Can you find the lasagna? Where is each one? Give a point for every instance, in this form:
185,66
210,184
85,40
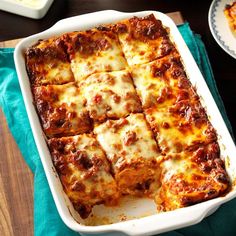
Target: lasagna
136,169
162,82
181,126
190,177
121,117
110,95
48,63
230,13
95,50
143,39
84,171
61,109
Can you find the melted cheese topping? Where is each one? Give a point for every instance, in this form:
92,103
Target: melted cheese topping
84,171
230,13
94,51
131,135
191,177
110,95
165,149
61,109
180,127
47,63
143,39
131,149
162,83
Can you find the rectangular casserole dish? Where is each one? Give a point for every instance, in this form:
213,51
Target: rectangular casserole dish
132,216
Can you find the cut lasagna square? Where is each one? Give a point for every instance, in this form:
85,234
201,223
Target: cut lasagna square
110,95
62,110
95,50
133,153
143,39
48,63
84,172
192,177
183,126
163,82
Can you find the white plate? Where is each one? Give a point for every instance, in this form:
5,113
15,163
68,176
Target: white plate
220,28
136,209
35,9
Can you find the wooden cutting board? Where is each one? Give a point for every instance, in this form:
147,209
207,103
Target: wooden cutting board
16,180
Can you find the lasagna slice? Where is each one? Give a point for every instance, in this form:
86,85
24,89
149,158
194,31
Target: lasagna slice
230,13
95,50
48,63
181,126
84,172
110,95
133,153
163,82
191,177
143,39
61,109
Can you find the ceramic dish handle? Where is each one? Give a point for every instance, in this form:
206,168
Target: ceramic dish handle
66,23
171,220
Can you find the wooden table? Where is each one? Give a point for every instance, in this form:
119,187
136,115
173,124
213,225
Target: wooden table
16,180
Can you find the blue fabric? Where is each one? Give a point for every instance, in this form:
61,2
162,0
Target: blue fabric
46,218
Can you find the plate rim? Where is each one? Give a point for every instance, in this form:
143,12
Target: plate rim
214,31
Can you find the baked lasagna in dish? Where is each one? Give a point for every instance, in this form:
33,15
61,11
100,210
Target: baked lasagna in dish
121,117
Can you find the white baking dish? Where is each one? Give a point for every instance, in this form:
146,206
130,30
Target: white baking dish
140,215
35,9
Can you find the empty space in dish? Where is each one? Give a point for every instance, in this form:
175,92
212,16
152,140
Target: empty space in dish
130,207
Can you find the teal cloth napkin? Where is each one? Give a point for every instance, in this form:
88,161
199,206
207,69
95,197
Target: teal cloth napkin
46,218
